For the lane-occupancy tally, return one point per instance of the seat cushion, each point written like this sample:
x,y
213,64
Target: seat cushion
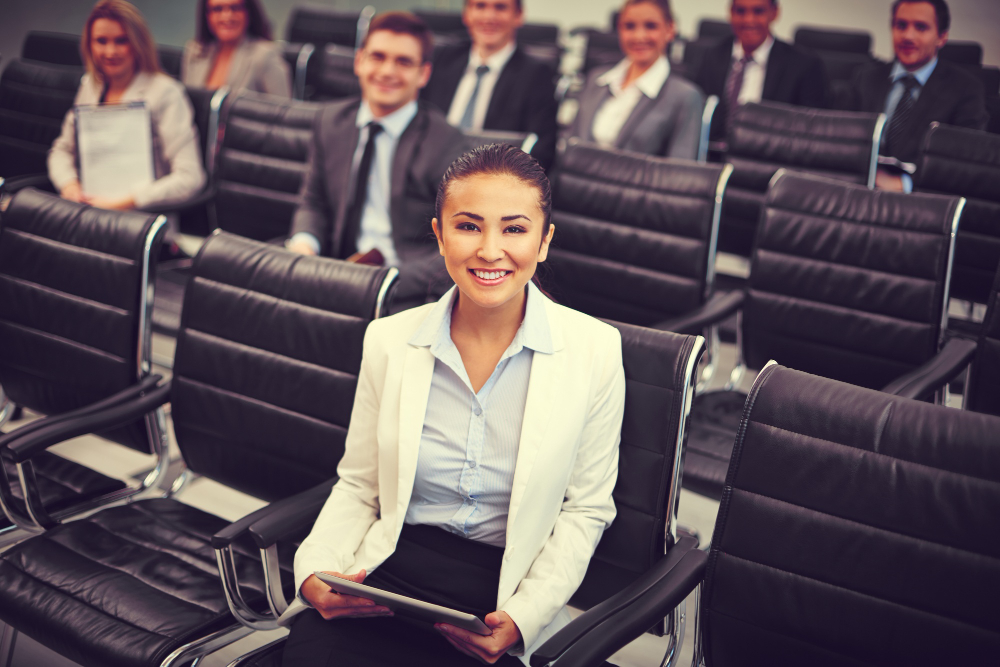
x,y
61,483
715,418
127,585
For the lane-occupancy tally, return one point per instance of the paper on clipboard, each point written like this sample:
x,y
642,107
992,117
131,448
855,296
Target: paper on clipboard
x,y
115,146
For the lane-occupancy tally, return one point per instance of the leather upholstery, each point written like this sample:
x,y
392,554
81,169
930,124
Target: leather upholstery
x,y
321,26
334,76
768,136
633,233
57,48
656,366
277,399
982,392
70,290
34,99
958,161
845,282
264,379
201,102
261,164
856,528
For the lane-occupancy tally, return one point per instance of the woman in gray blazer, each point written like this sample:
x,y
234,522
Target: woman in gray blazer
x,y
233,48
638,104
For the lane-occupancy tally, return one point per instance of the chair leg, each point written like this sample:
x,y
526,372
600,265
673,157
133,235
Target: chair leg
x,y
7,641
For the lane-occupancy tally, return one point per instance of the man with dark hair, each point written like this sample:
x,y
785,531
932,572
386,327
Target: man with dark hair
x,y
489,83
376,162
753,65
917,89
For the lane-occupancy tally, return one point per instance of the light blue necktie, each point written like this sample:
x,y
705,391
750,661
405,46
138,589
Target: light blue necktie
x,y
470,110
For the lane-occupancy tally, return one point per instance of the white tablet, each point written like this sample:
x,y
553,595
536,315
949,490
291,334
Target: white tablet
x,y
412,607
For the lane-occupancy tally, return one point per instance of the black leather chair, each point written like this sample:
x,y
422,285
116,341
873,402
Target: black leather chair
x,y
309,29
846,283
843,53
75,288
982,391
443,23
958,161
524,140
602,49
856,528
714,29
334,75
765,137
639,545
56,48
962,53
635,238
261,396
34,100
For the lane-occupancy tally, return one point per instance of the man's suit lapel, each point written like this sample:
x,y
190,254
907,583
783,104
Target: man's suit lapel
x,y
406,150
933,91
339,151
418,371
777,62
508,88
450,75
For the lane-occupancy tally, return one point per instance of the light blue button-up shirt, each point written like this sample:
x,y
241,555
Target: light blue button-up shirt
x,y
376,218
469,444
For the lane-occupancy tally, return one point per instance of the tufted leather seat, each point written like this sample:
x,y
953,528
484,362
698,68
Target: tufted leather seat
x,y
958,161
845,282
635,234
765,137
74,328
982,392
264,379
34,99
659,375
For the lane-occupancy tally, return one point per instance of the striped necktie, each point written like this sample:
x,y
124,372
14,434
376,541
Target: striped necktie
x,y
898,126
470,109
734,84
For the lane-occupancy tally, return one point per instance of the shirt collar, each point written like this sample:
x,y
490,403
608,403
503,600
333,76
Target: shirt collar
x,y
760,54
496,62
393,124
921,75
534,332
650,83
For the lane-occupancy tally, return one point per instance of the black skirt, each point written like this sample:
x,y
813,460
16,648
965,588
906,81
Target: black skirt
x,y
429,564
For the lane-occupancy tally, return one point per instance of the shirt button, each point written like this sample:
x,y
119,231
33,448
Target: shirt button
x,y
478,411
472,464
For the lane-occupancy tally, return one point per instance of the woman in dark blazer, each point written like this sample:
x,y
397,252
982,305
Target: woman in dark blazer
x,y
638,104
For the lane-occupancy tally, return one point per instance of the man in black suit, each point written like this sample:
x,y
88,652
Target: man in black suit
x,y
492,84
376,162
917,88
753,65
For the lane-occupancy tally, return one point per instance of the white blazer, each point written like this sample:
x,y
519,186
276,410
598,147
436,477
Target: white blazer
x,y
567,464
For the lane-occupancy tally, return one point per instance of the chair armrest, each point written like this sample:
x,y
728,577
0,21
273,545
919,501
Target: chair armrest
x,y
593,648
943,367
200,199
586,622
22,448
15,183
295,509
128,393
718,307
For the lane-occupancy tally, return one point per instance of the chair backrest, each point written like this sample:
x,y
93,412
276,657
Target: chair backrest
x,y
320,26
267,360
714,29
538,33
856,528
635,234
55,48
982,390
170,59
207,106
846,282
958,161
659,371
524,140
261,163
962,53
334,75
34,100
824,39
602,49
443,23
765,137
75,302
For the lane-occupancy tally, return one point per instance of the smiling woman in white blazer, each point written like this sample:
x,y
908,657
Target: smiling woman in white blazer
x,y
560,487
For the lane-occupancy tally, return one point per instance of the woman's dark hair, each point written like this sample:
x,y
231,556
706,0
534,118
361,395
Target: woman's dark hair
x,y
257,23
497,160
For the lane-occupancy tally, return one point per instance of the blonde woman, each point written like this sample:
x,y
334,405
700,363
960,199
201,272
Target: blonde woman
x,y
122,66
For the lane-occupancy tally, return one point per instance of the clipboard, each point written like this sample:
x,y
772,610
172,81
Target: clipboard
x,y
400,604
115,148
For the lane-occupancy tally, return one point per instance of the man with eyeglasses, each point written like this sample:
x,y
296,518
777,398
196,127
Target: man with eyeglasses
x,y
752,65
376,163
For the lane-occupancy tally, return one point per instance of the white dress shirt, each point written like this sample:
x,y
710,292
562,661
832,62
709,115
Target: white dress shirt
x,y
469,442
611,117
376,217
754,71
467,84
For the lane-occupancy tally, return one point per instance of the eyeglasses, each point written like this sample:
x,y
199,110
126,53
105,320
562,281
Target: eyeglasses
x,y
219,9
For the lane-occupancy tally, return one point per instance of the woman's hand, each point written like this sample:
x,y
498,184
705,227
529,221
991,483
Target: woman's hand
x,y
111,204
488,648
331,604
72,192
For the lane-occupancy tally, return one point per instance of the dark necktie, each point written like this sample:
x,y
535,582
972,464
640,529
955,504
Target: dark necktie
x,y
352,226
734,84
470,109
898,126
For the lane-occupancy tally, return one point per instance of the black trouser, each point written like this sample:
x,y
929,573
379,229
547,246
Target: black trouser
x,y
429,564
